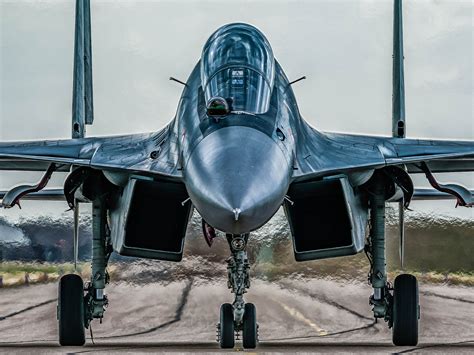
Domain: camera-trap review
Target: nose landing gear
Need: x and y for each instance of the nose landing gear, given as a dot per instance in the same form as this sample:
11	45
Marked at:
239	316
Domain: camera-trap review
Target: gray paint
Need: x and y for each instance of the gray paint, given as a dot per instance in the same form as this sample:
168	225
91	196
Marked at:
237	178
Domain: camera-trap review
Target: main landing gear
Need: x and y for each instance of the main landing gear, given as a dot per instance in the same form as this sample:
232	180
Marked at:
75	309
239	316
397	305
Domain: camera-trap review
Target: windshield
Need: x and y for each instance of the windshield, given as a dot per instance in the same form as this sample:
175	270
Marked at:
237	64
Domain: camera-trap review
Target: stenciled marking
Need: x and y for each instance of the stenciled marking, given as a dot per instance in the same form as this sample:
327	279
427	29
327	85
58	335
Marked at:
298	315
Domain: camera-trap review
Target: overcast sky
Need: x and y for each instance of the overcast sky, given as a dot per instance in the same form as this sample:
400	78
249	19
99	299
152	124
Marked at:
343	47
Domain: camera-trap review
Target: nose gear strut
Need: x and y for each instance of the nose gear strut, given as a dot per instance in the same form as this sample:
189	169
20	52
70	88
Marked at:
244	315
238	274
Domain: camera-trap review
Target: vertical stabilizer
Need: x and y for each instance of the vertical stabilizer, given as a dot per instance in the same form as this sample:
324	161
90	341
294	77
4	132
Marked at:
82	102
88	97
398	106
398	80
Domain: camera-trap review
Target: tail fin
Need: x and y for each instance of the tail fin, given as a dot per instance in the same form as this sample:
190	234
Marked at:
398	106
82	99
88	97
398	80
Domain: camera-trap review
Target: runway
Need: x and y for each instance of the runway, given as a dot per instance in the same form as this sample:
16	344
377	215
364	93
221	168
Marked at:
302	315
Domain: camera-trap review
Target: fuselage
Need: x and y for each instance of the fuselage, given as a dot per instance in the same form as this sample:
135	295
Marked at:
235	133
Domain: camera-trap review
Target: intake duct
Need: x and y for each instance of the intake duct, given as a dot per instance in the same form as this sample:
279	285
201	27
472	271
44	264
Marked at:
326	219
149	220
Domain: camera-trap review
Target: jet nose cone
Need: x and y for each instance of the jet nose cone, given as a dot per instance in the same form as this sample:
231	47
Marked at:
237	178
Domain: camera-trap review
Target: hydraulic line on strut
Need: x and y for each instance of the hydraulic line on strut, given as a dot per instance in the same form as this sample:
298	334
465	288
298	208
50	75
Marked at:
98	245
96	300
377	236
238	274
378	274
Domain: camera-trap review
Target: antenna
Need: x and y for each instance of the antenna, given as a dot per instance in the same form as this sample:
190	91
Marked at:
178	81
295	81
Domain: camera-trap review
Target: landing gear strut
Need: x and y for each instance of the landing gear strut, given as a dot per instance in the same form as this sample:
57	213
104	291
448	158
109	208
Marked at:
95	299
238	316
398	305
76	310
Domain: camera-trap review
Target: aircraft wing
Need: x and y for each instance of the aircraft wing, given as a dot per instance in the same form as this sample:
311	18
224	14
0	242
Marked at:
323	154
148	153
57	194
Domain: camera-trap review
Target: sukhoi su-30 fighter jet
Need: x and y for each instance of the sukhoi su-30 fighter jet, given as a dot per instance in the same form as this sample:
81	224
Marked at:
236	151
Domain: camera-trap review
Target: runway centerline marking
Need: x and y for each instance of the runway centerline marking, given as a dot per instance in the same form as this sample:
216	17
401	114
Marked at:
298	315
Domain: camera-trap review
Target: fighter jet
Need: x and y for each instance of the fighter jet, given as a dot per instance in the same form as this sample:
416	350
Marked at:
237	150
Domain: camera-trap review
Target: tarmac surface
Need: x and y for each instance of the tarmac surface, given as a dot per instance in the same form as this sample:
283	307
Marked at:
302	315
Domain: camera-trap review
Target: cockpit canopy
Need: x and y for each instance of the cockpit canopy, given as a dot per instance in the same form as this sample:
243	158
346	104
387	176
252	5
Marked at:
237	64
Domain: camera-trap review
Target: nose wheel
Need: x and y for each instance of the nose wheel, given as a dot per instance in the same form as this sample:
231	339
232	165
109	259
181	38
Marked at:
239	316
226	327
250	327
228	331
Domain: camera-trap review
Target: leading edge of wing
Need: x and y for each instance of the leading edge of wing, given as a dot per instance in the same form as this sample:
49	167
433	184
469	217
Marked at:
128	153
409	149
67	152
324	153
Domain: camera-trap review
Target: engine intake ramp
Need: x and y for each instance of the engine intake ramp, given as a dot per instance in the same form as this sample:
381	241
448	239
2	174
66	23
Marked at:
326	219
149	220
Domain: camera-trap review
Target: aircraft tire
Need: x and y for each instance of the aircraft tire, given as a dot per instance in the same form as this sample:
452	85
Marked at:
71	311
405	311
249	330
227	335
